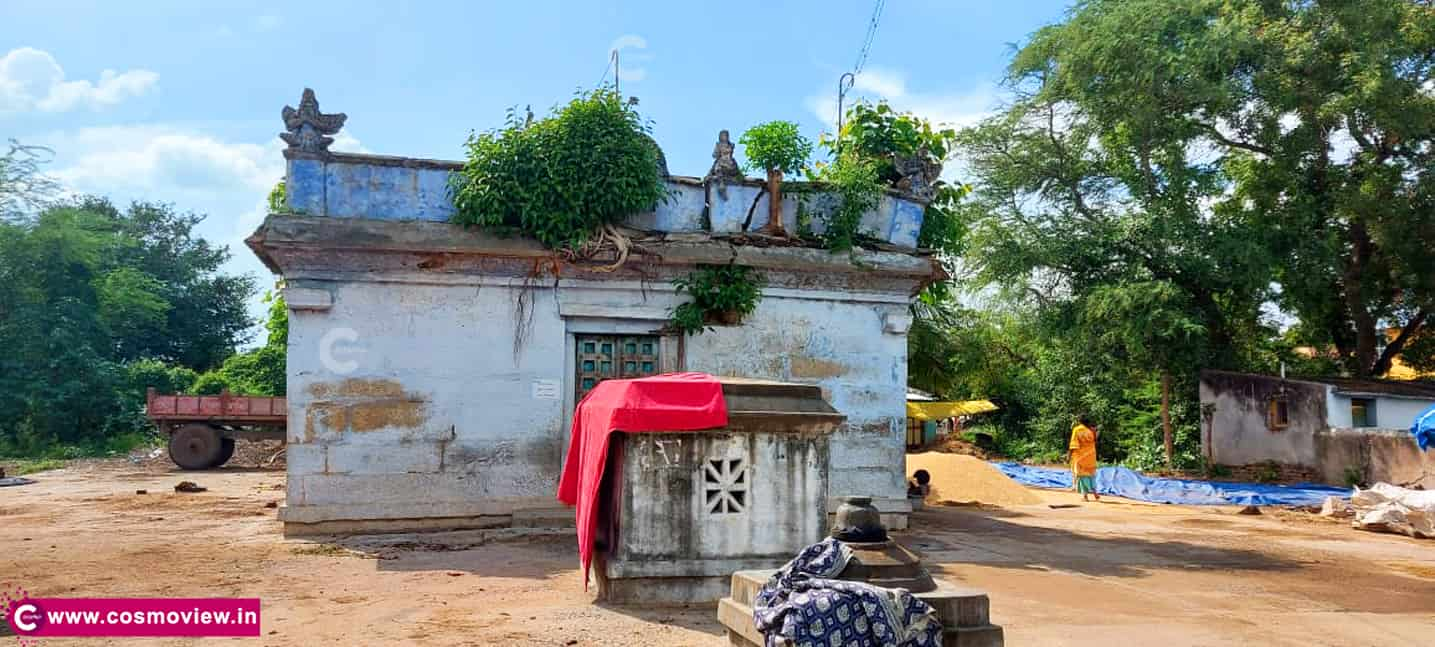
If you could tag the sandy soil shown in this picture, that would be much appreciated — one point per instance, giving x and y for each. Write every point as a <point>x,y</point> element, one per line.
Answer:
<point>957,478</point>
<point>1096,574</point>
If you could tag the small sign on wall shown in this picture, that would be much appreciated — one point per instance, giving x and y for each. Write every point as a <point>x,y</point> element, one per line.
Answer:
<point>545,389</point>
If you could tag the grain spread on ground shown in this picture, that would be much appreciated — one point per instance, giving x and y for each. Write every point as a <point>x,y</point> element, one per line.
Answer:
<point>962,479</point>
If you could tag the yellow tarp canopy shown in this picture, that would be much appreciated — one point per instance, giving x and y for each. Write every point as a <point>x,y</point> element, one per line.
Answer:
<point>941,410</point>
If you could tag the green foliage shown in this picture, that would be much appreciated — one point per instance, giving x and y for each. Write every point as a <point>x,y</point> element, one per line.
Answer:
<point>775,146</point>
<point>278,198</point>
<point>1354,476</point>
<point>881,134</point>
<point>95,304</point>
<point>260,371</point>
<point>719,292</point>
<point>154,374</point>
<point>1166,170</point>
<point>560,178</point>
<point>1268,472</point>
<point>855,181</point>
<point>1310,125</point>
<point>24,189</point>
<point>1419,353</point>
<point>1139,436</point>
<point>211,383</point>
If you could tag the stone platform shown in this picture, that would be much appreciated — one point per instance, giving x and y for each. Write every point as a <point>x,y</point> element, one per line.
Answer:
<point>965,613</point>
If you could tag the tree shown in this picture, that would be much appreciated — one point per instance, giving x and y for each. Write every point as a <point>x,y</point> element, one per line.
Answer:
<point>1314,120</point>
<point>207,314</point>
<point>23,188</point>
<point>1092,208</point>
<point>91,300</point>
<point>259,371</point>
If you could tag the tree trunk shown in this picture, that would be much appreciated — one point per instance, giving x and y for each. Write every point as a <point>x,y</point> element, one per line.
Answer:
<point>774,204</point>
<point>1407,332</point>
<point>1361,248</point>
<point>1166,418</point>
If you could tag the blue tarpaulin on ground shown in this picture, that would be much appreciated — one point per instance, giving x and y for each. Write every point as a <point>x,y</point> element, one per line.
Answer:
<point>1127,483</point>
<point>1424,428</point>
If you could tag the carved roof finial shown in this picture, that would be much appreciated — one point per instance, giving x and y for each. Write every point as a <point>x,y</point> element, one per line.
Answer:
<point>919,174</point>
<point>308,128</point>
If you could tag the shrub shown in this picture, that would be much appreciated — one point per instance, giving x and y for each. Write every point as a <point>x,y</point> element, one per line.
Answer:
<point>775,145</point>
<point>560,178</point>
<point>716,290</point>
<point>857,185</point>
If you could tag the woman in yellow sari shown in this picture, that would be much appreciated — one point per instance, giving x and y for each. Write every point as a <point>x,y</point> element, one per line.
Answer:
<point>1083,458</point>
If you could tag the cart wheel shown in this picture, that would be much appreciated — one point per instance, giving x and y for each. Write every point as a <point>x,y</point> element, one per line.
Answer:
<point>226,452</point>
<point>196,447</point>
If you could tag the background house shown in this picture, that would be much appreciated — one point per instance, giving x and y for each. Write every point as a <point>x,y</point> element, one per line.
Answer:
<point>1332,429</point>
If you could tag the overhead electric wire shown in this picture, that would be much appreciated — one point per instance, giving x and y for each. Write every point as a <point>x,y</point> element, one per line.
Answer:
<point>847,80</point>
<point>871,35</point>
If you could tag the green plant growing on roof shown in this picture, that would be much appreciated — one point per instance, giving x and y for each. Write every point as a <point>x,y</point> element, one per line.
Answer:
<point>775,148</point>
<point>563,179</point>
<point>278,198</point>
<point>855,181</point>
<point>721,294</point>
<point>881,135</point>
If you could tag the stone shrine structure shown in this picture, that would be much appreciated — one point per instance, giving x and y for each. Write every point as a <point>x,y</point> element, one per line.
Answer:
<point>681,511</point>
<point>433,369</point>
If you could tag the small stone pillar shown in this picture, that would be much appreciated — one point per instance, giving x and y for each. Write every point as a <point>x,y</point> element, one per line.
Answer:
<point>680,511</point>
<point>878,560</point>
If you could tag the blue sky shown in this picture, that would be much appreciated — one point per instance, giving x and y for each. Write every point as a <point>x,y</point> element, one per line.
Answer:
<point>180,101</point>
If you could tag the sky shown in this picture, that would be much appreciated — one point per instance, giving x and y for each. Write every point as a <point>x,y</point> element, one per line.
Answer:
<point>179,102</point>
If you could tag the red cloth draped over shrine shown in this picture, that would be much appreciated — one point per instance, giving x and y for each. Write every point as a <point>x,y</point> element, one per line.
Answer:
<point>670,402</point>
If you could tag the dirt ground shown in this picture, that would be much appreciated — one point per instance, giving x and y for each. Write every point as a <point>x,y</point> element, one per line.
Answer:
<point>1105,574</point>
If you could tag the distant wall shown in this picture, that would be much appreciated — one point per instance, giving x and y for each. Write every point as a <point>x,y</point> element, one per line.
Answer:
<point>1235,419</point>
<point>1236,433</point>
<point>1379,455</point>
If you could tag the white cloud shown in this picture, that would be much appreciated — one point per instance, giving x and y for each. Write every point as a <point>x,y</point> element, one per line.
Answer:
<point>31,79</point>
<point>632,56</point>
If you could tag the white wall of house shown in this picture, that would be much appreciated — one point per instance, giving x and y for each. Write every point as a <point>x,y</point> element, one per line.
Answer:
<point>1391,412</point>
<point>408,400</point>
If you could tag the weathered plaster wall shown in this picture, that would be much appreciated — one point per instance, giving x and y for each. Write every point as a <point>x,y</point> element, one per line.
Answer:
<point>840,345</point>
<point>1236,430</point>
<point>670,548</point>
<point>1388,455</point>
<point>409,401</point>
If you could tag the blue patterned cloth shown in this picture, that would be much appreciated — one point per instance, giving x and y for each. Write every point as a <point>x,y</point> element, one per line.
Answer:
<point>802,606</point>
